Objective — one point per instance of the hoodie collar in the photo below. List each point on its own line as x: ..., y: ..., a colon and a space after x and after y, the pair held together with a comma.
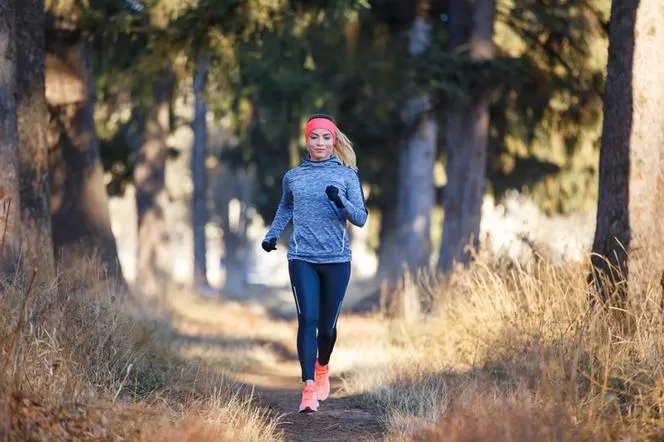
x: 306, y: 161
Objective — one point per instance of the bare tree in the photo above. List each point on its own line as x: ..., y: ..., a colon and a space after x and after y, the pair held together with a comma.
x: 32, y: 118
x: 629, y: 229
x: 232, y: 204
x: 199, y: 171
x: 467, y: 137
x: 416, y: 190
x: 154, y: 258
x: 79, y: 202
x: 9, y: 189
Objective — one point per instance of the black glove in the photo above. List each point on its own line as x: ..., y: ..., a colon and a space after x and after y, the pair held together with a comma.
x: 269, y: 244
x: 333, y: 195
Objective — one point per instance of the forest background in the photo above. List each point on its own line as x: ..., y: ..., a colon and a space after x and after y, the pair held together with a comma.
x: 211, y: 98
x: 507, y: 149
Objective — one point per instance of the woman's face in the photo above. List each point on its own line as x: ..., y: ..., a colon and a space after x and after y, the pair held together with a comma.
x: 320, y: 144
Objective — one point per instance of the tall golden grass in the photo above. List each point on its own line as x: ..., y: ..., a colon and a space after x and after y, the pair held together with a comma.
x: 516, y: 353
x: 78, y: 344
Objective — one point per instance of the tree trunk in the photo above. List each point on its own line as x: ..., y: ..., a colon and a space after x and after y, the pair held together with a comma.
x: 9, y: 187
x: 629, y: 230
x: 153, y: 259
x: 467, y: 139
x: 199, y: 173
x: 235, y: 204
x: 388, y: 255
x: 420, y: 190
x: 400, y: 217
x: 417, y: 161
x: 79, y: 202
x: 32, y: 117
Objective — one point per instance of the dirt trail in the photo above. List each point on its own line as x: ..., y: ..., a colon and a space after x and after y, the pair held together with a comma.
x: 338, y: 418
x: 259, y: 351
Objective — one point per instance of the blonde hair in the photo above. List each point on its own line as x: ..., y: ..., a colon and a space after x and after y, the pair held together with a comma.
x: 343, y: 149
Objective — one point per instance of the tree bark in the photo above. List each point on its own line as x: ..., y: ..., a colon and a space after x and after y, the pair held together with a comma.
x: 467, y: 138
x: 199, y: 173
x: 9, y: 176
x: 153, y: 259
x: 32, y: 118
x: 420, y: 158
x: 388, y: 249
x: 79, y: 202
x: 417, y: 161
x: 629, y: 232
x: 234, y: 211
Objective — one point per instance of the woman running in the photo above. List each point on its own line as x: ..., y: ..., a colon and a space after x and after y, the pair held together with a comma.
x: 319, y: 196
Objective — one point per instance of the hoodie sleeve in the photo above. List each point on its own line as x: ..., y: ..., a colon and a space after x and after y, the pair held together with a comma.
x: 284, y: 211
x: 354, y: 209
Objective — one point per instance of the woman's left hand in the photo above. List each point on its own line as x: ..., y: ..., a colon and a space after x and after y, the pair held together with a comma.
x: 333, y: 195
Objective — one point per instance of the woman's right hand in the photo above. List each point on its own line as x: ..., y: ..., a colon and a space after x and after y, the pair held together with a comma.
x: 269, y: 244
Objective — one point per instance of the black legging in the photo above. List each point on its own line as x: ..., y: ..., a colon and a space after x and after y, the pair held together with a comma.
x: 319, y: 290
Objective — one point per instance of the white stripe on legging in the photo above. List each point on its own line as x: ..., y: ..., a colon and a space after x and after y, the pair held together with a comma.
x: 297, y: 304
x: 336, y: 317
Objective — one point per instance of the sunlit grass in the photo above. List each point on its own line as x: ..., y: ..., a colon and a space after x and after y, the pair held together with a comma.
x: 514, y: 353
x: 77, y: 344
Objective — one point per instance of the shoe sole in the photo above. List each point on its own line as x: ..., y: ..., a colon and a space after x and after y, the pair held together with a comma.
x: 309, y: 409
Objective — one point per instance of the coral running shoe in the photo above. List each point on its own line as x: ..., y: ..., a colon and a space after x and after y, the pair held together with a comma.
x: 322, y: 381
x: 309, y: 402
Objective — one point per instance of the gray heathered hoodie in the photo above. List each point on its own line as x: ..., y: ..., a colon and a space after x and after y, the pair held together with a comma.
x: 319, y: 227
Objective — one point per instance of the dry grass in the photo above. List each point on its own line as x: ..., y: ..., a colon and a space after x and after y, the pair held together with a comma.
x: 83, y: 363
x: 512, y: 353
x: 220, y: 416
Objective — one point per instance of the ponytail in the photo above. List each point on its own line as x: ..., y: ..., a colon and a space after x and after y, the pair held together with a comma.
x: 343, y: 149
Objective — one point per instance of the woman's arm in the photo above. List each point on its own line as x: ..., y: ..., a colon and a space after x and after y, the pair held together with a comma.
x: 284, y: 211
x: 354, y: 208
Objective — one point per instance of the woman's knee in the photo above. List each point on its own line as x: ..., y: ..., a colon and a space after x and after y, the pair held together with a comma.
x: 308, y: 320
x: 326, y: 334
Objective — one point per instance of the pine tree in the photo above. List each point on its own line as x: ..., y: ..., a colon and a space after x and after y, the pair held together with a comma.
x: 629, y: 229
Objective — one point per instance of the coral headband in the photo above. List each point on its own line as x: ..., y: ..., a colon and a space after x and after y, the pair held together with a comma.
x: 320, y: 123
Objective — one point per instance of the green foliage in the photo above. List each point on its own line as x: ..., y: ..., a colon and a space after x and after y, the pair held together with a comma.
x: 274, y: 62
x: 372, y: 97
x: 546, y: 97
x: 545, y: 132
x: 284, y: 74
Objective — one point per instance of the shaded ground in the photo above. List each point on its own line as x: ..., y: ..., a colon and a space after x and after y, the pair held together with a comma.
x: 256, y: 348
x: 339, y: 418
x: 363, y: 296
